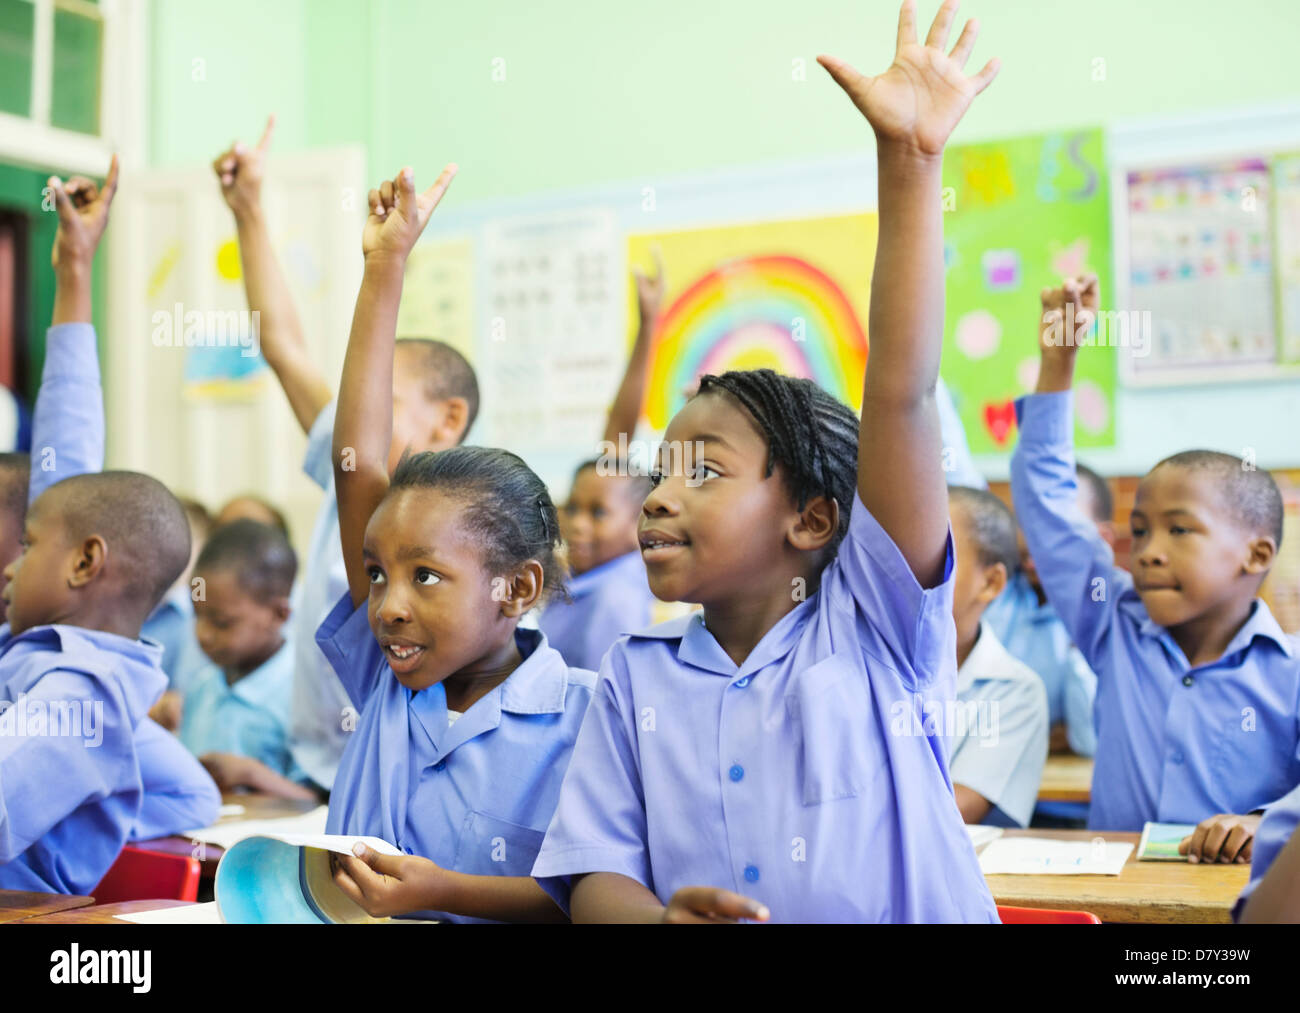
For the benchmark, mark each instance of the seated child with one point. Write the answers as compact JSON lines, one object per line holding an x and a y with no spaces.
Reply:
{"x":466,"y":721}
{"x":608,"y":593}
{"x":1273,"y":893}
{"x":435,"y":400}
{"x":997,"y":751}
{"x":172,"y":625}
{"x":749,"y":748}
{"x":97,"y":553}
{"x":236,"y":717}
{"x":1029,"y":628}
{"x":1196,"y":683}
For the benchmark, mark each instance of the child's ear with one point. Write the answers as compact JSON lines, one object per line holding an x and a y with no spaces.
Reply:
{"x":1263,"y":550}
{"x":995,"y":579}
{"x":519,"y":591}
{"x":451,"y":427}
{"x":89,"y":561}
{"x":816,"y":524}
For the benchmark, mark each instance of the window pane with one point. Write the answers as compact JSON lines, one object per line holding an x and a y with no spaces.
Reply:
{"x":74,"y":102}
{"x":17,"y":20}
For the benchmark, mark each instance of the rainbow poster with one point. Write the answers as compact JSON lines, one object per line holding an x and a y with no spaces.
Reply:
{"x":791,"y":296}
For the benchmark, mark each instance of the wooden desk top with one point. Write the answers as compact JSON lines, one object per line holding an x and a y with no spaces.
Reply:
{"x":22,"y":905}
{"x":1149,"y":892}
{"x":1066,"y":778}
{"x":104,"y":914}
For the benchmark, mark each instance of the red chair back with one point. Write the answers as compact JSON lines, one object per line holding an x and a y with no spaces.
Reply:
{"x":1045,"y":916}
{"x":148,"y":875}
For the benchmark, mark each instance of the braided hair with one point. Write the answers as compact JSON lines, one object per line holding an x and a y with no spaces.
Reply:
{"x":811,"y":434}
{"x":508,"y":510}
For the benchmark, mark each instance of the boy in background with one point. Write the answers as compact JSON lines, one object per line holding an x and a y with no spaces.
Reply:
{"x":1197,"y":685}
{"x":997,"y":754}
{"x":237,"y":713}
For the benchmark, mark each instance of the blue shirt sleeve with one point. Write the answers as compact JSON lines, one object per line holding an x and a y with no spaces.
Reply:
{"x":318,"y":462}
{"x":1080,"y":696}
{"x":345,"y":639}
{"x":46,"y":778}
{"x":68,"y":421}
{"x":870,"y":576}
{"x":179,"y":794}
{"x":1075,"y":565}
{"x":599,"y":824}
{"x":958,"y":465}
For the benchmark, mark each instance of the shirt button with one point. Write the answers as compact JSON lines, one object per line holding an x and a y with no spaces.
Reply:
{"x":440,"y":765}
{"x":1177,"y":757}
{"x":408,"y":850}
{"x":1188,"y":680}
{"x":742,"y":683}
{"x":737,"y":772}
{"x":751,"y":873}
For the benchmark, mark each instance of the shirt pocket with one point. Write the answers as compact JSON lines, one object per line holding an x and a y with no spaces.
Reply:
{"x":490,"y":846}
{"x":839,"y":754}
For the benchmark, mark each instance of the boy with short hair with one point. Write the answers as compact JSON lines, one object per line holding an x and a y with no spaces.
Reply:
{"x":435,"y":401}
{"x":997,"y":753}
{"x":237,"y":713}
{"x":78,"y":774}
{"x":1198,"y":687}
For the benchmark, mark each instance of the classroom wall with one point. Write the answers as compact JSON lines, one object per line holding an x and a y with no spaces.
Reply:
{"x":597,"y":94}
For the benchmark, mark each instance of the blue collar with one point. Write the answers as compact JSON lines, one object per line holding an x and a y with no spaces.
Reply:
{"x":264,"y":685}
{"x":699,"y":648}
{"x":1260,"y":623}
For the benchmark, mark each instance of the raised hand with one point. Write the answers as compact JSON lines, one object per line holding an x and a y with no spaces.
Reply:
{"x":921,"y":97}
{"x":241,"y":169}
{"x":398,"y":214}
{"x":83,"y":214}
{"x":650,"y":287}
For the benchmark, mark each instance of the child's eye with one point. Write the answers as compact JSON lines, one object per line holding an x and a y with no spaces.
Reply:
{"x":703,"y":473}
{"x":427,"y":578}
{"x":656,"y":476}
{"x":375,"y":574}
{"x":1177,"y":529}
{"x":598,"y":513}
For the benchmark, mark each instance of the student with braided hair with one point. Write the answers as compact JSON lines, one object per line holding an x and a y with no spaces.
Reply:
{"x":743,"y":763}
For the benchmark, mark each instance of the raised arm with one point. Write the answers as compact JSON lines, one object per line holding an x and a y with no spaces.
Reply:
{"x":68,"y":420}
{"x":912,"y":108}
{"x":626,"y":409}
{"x":1075,"y":565}
{"x":284,"y":346}
{"x":363,"y":426}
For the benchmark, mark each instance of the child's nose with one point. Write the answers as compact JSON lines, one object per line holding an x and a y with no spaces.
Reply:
{"x":393,"y":609}
{"x":661,"y":502}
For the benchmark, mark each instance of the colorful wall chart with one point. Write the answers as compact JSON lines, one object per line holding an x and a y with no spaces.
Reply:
{"x":1020,"y":215}
{"x":788,"y":295}
{"x":1286,"y":190}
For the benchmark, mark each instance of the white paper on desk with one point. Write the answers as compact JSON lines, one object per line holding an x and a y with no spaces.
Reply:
{"x":1038,"y":856}
{"x":231,"y":809}
{"x":342,"y":843}
{"x":187,"y":914}
{"x":980,"y":835}
{"x":223,"y":835}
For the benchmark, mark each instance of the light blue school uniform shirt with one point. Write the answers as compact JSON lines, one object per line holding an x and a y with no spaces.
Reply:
{"x":179,"y":795}
{"x":1031,"y":631}
{"x":320,"y":715}
{"x":803,"y":778}
{"x":997,"y":739}
{"x":250,"y":718}
{"x":607,"y":601}
{"x":74,"y":778}
{"x":1275,"y":830}
{"x":172,"y":625}
{"x":475,"y":795}
{"x":1175,"y":744}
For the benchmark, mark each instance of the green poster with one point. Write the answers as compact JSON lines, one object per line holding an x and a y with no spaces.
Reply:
{"x":1020,"y":215}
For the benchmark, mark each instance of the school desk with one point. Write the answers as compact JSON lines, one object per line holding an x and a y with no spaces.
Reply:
{"x":23,"y":905}
{"x":256,"y":807}
{"x":1066,"y":778}
{"x":103,"y":914}
{"x":1147,"y":892}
